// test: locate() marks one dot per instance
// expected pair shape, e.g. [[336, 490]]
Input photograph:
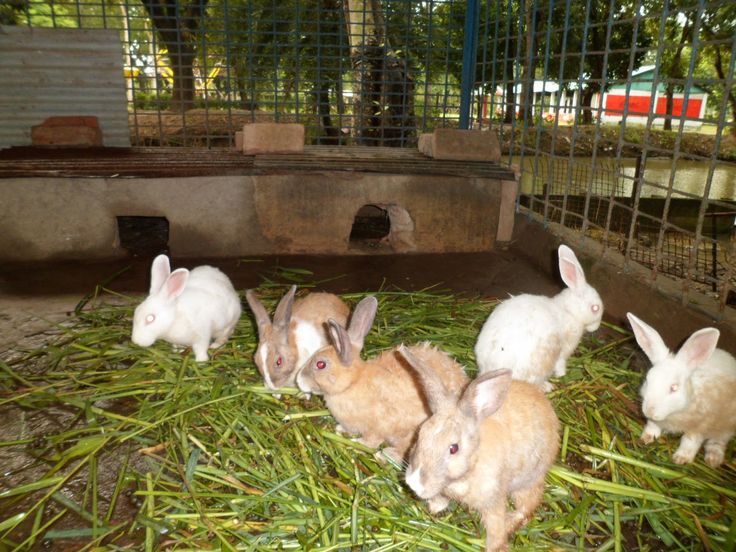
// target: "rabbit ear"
[[648, 339], [341, 342], [570, 270], [362, 320], [486, 394], [176, 283], [435, 391], [259, 311], [282, 316], [698, 347], [160, 270]]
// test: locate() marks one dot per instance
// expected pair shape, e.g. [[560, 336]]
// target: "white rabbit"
[[691, 392], [534, 335], [299, 328], [498, 439], [378, 399], [187, 308]]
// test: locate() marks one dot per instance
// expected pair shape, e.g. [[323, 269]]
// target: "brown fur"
[[501, 454], [314, 309], [379, 399]]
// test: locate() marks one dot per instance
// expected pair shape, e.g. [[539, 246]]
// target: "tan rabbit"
[[497, 440], [299, 328], [379, 399]]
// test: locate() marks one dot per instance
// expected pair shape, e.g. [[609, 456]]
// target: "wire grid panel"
[[353, 72], [620, 115]]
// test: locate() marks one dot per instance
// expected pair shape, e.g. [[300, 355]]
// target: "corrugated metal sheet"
[[49, 72]]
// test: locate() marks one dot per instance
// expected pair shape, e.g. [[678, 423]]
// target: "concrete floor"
[[32, 296]]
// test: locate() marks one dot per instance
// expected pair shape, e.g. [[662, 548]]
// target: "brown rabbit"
[[498, 439], [299, 328], [379, 399]]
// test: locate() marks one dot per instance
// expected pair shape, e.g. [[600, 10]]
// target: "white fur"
[[309, 339], [207, 308], [414, 480], [689, 392], [533, 335]]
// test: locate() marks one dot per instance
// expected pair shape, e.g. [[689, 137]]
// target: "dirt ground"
[[35, 296]]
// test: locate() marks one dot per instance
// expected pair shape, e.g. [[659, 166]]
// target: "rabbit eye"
[[321, 365], [454, 447], [595, 308], [279, 362], [150, 318], [674, 387]]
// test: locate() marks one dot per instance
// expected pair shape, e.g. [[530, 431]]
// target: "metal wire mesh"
[[620, 116], [353, 72], [619, 113]]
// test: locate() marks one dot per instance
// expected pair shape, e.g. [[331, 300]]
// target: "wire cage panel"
[[618, 113]]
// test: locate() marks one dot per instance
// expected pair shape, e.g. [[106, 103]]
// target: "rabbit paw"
[[715, 453], [200, 352], [650, 433], [560, 368], [437, 503], [689, 446]]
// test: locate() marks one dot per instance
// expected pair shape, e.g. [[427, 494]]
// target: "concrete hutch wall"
[[45, 218]]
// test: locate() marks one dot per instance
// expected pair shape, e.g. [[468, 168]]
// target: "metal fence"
[[619, 113]]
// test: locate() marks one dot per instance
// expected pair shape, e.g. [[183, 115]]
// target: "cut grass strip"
[[216, 461]]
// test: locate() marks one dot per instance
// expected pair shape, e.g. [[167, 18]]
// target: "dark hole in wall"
[[144, 236], [371, 225]]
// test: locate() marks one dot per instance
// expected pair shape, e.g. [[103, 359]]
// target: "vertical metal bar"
[[598, 123], [470, 49], [695, 45]]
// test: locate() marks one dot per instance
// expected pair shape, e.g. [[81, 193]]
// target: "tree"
[[677, 37], [607, 56], [177, 23], [719, 32], [382, 87]]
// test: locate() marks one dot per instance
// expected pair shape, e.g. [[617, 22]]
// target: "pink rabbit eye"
[[150, 318], [674, 387], [321, 365], [279, 362], [454, 447], [595, 308]]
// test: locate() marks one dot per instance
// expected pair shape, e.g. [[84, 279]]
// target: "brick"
[[426, 143], [67, 131], [239, 140], [72, 120], [466, 145], [273, 138]]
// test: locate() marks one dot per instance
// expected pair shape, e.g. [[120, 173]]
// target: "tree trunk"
[[509, 114], [586, 99], [177, 24], [669, 106], [330, 134], [526, 100], [383, 111]]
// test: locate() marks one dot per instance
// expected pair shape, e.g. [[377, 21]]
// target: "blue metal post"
[[470, 47]]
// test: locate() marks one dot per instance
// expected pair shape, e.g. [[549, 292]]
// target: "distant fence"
[[620, 115]]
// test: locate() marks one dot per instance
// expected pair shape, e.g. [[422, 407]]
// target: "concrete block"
[[466, 145], [507, 210], [426, 144], [67, 131], [239, 140], [273, 138]]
